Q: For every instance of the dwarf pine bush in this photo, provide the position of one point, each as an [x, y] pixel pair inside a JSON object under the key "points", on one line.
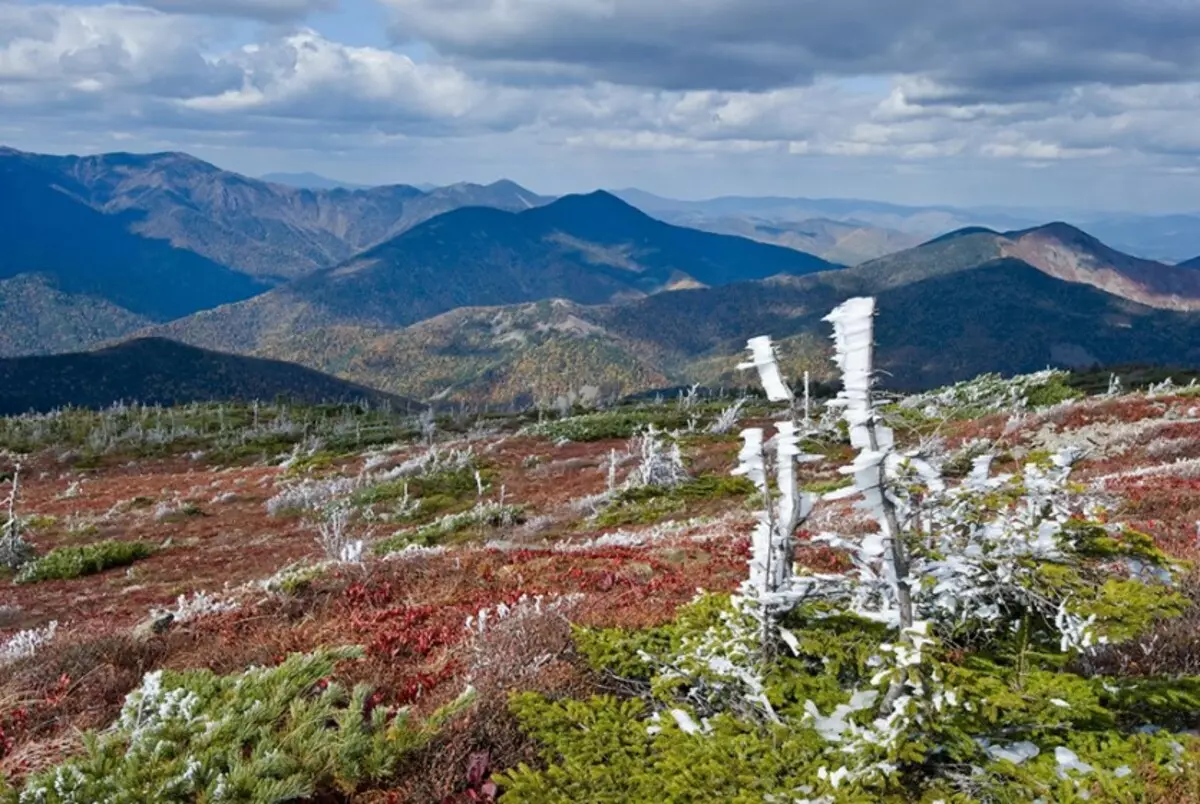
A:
{"points": [[266, 735], [65, 563], [940, 668]]}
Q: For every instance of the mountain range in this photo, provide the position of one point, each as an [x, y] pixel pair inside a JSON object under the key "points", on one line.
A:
{"points": [[494, 293], [870, 229], [591, 249], [156, 371], [969, 301]]}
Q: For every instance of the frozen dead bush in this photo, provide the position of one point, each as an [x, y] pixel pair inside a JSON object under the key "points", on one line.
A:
{"points": [[24, 644], [488, 513], [990, 393], [334, 538], [310, 495], [513, 643], [199, 604], [434, 460], [658, 464], [728, 418], [15, 552]]}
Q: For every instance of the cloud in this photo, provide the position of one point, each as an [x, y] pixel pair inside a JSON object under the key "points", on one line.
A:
{"points": [[703, 91], [971, 50], [266, 10], [305, 76], [58, 52]]}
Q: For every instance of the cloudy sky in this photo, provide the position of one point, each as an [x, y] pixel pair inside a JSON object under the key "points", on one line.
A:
{"points": [[1034, 103]]}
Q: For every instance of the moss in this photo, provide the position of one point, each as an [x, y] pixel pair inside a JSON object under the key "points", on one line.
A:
{"points": [[66, 563]]}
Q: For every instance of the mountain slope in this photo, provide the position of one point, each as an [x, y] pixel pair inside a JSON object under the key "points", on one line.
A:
{"points": [[1058, 250], [1192, 263], [158, 371], [310, 181], [591, 249], [38, 318], [256, 227], [1001, 315], [1063, 251], [45, 230]]}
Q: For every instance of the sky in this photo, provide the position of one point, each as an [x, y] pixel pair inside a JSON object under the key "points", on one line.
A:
{"points": [[1075, 104]]}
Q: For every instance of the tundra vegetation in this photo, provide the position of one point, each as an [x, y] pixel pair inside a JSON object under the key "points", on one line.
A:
{"points": [[977, 594]]}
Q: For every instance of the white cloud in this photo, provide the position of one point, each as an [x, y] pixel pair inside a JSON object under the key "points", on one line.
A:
{"points": [[268, 10], [769, 98]]}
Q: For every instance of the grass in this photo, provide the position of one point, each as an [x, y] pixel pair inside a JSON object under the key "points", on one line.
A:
{"points": [[66, 563]]}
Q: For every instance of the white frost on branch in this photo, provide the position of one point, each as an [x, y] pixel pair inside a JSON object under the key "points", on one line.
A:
{"points": [[762, 358]]}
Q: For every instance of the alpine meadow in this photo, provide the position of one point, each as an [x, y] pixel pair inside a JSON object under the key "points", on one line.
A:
{"points": [[823, 427]]}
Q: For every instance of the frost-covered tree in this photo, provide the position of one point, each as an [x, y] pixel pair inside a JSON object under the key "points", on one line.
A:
{"points": [[942, 666]]}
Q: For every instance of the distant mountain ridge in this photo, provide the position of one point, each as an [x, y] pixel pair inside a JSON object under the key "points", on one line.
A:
{"points": [[592, 249], [1167, 237], [77, 251], [951, 308], [156, 371], [266, 230]]}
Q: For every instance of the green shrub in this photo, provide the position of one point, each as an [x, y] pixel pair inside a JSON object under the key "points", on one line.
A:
{"points": [[825, 486], [610, 424], [65, 563], [266, 735], [484, 515], [608, 749], [439, 493], [1053, 392], [645, 505]]}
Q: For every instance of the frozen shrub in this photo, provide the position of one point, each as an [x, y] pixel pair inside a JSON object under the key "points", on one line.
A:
{"points": [[990, 393], [15, 551], [199, 604], [334, 538], [309, 495], [728, 418], [24, 644], [489, 514], [658, 464]]}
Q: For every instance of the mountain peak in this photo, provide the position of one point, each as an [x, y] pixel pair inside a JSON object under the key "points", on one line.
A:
{"points": [[966, 231], [1059, 230], [597, 202]]}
